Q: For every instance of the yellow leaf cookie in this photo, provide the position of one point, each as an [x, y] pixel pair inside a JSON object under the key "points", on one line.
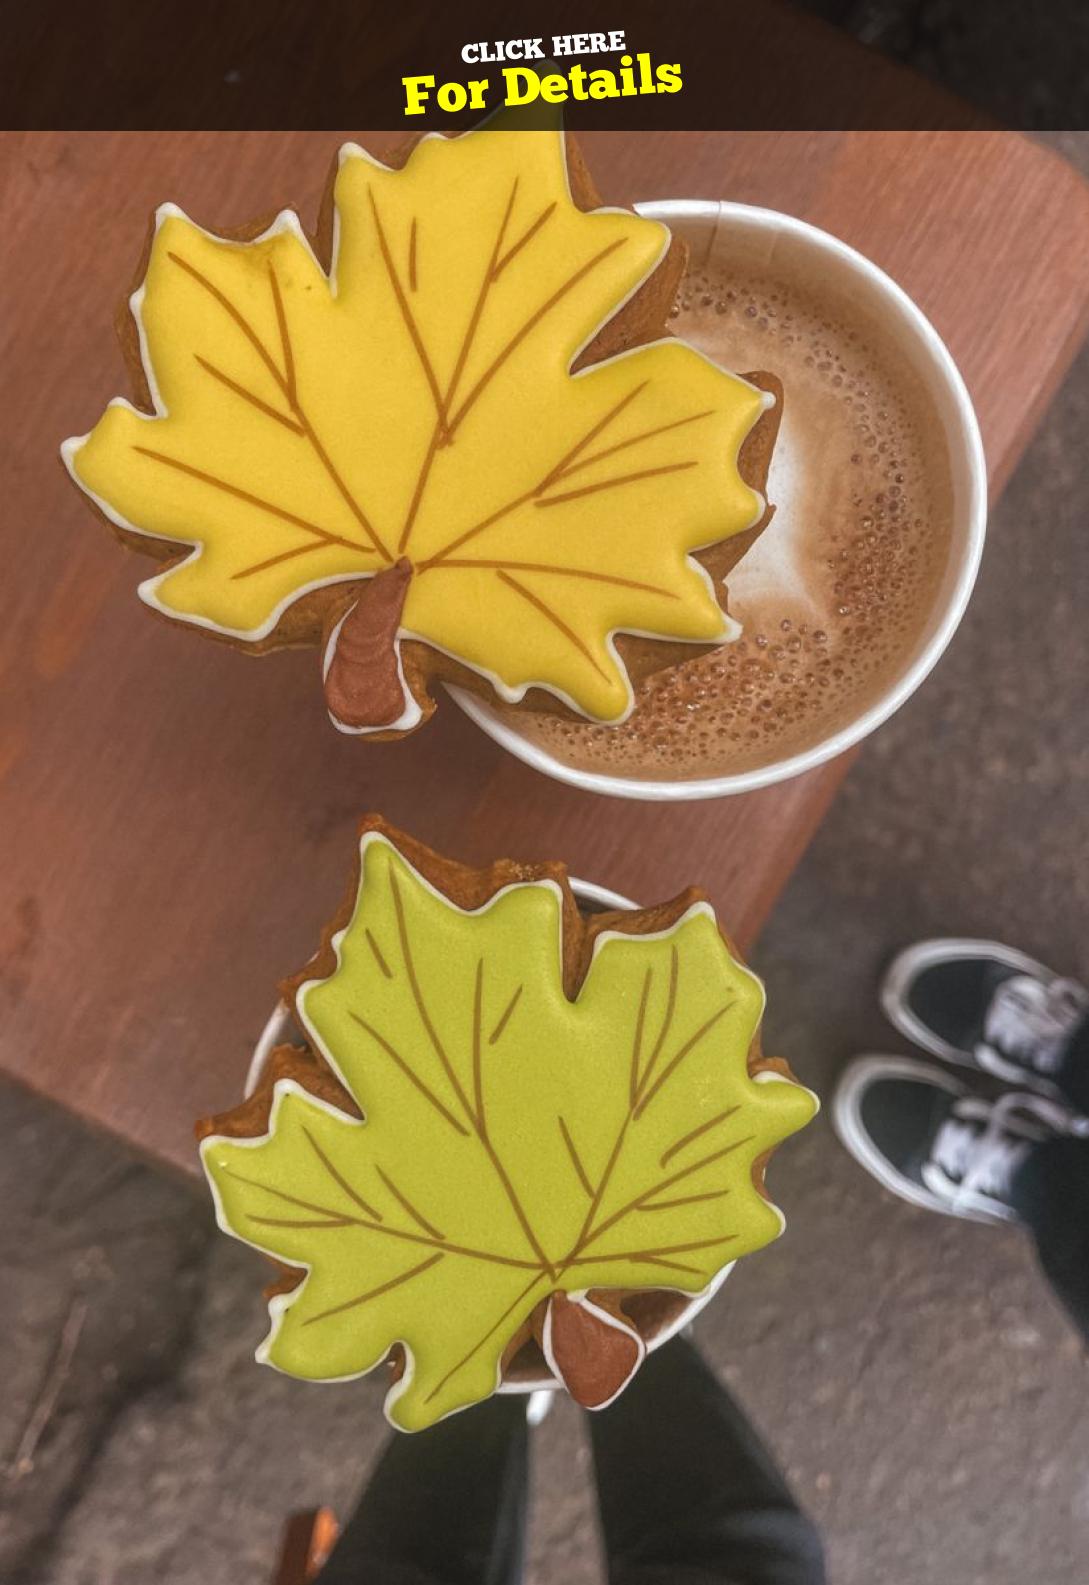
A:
{"points": [[535, 1113], [395, 451]]}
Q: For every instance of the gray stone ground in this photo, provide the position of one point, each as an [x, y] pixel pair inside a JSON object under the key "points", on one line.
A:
{"points": [[914, 1375]]}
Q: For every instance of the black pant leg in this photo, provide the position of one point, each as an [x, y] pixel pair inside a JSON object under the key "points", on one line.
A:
{"points": [[1075, 1070], [446, 1506], [1052, 1193], [688, 1493]]}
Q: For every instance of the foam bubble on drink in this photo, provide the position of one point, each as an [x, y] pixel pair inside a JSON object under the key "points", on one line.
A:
{"points": [[835, 596]]}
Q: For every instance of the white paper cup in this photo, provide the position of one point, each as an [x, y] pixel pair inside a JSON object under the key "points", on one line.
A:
{"points": [[824, 259], [672, 1309]]}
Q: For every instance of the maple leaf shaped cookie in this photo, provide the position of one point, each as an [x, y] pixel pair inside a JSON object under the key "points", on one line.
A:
{"points": [[392, 456], [515, 1119]]}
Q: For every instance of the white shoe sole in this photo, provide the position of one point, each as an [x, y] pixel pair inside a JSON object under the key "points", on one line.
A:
{"points": [[846, 1114], [907, 965]]}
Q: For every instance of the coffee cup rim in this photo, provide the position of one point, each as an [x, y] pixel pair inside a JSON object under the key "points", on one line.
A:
{"points": [[961, 428]]}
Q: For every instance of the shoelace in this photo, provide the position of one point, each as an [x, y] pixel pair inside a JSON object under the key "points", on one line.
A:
{"points": [[1031, 1021], [981, 1144]]}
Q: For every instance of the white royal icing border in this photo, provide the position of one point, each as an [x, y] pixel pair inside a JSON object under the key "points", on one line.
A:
{"points": [[288, 221]]}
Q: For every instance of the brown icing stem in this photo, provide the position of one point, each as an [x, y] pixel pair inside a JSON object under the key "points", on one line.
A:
{"points": [[593, 1358], [363, 684]]}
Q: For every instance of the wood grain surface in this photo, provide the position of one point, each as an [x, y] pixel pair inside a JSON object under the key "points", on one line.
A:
{"points": [[177, 819]]}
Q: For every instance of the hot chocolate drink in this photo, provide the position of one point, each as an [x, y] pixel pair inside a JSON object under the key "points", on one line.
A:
{"points": [[836, 596]]}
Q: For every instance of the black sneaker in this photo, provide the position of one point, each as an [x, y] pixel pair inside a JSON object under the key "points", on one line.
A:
{"points": [[928, 1137], [990, 1007]]}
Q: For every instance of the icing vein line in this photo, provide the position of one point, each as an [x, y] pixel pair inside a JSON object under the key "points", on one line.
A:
{"points": [[377, 951], [669, 1265], [250, 396], [476, 1117], [634, 440], [235, 313], [580, 1170], [289, 382], [527, 236], [486, 284], [442, 433], [613, 484], [433, 445], [340, 1180], [412, 1076], [466, 562], [682, 1199], [479, 1344], [556, 620], [408, 316], [690, 1044], [342, 1219], [289, 1199], [527, 326], [296, 550], [687, 1139], [407, 1205], [505, 1016], [484, 1136], [325, 535], [296, 1221], [667, 1021], [637, 1043], [639, 1098], [586, 1233], [286, 382], [647, 1194], [418, 997], [653, 1254], [565, 463], [478, 1082], [373, 1293]]}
